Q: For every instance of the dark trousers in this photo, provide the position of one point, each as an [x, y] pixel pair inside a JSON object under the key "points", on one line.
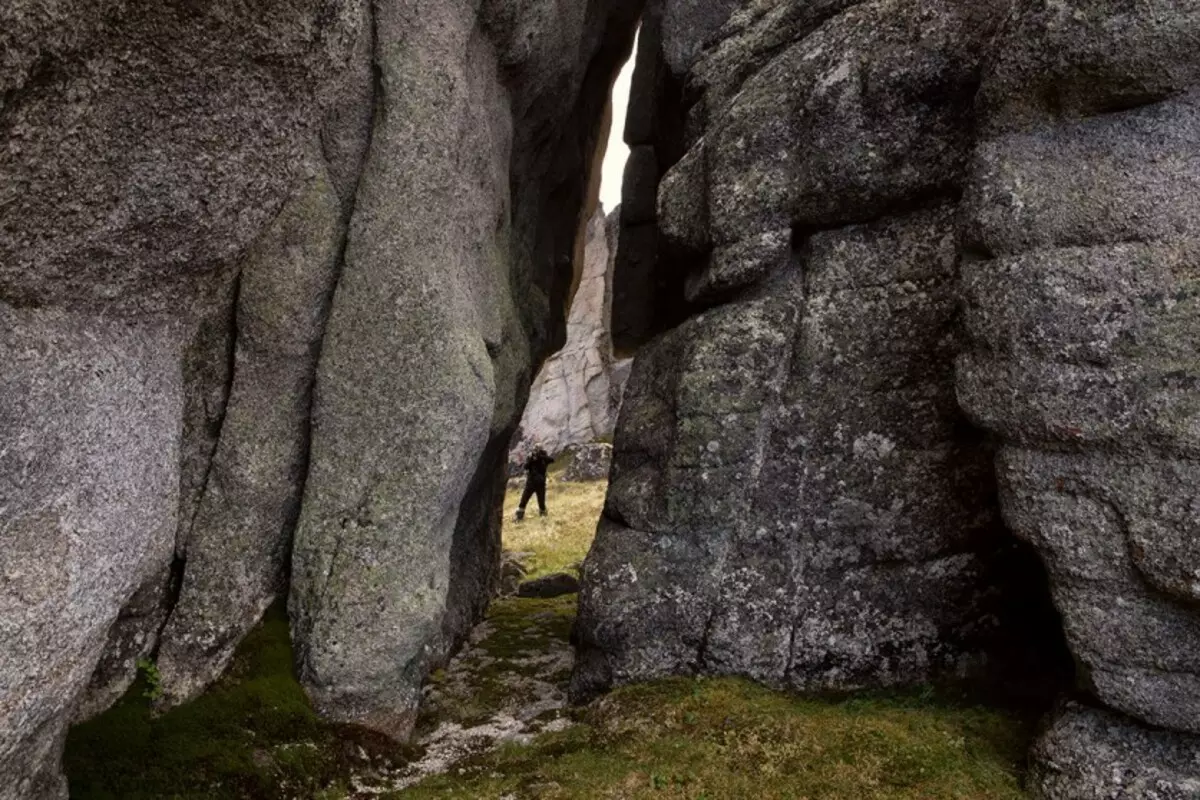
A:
{"points": [[531, 488]]}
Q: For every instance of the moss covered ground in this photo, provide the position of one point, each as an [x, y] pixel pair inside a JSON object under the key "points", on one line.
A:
{"points": [[727, 738], [254, 735]]}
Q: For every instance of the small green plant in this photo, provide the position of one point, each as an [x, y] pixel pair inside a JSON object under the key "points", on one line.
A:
{"points": [[149, 673]]}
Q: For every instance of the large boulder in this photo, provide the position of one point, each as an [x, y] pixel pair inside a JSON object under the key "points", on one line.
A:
{"points": [[1081, 222], [146, 146], [455, 280], [795, 494], [263, 265]]}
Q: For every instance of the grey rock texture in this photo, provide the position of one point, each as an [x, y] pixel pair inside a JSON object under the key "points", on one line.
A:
{"points": [[576, 395], [1091, 754], [240, 538], [455, 277], [145, 147], [795, 494], [1080, 287], [587, 462], [88, 512], [203, 203], [547, 586]]}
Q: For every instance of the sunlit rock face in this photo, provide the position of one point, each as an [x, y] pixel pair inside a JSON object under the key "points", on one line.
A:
{"points": [[577, 392], [272, 280], [900, 271]]}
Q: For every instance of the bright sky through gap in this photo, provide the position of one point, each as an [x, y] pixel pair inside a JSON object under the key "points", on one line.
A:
{"points": [[617, 152]]}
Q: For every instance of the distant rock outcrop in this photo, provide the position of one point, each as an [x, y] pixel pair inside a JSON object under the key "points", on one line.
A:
{"points": [[577, 393]]}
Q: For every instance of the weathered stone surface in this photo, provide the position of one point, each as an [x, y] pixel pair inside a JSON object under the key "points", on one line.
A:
{"points": [[133, 636], [1081, 301], [1090, 754], [241, 537], [548, 586], [89, 410], [144, 147], [489, 116], [795, 496], [184, 187], [587, 462], [574, 399]]}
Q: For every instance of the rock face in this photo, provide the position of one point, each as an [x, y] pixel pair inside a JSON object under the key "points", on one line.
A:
{"points": [[145, 147], [1090, 754], [458, 255], [274, 277], [577, 392], [1081, 292], [795, 496], [588, 462], [267, 265]]}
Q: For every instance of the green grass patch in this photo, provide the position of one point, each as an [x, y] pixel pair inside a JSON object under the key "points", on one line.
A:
{"points": [[253, 735], [562, 539], [486, 678], [727, 738]]}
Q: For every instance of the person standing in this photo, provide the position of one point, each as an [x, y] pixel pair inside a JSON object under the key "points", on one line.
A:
{"points": [[535, 481]]}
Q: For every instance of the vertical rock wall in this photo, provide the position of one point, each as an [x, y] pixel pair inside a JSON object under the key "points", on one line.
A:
{"points": [[844, 221], [260, 266], [1080, 277], [144, 147], [795, 495], [456, 267]]}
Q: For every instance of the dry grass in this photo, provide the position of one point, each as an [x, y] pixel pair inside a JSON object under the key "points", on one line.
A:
{"points": [[560, 540], [727, 739]]}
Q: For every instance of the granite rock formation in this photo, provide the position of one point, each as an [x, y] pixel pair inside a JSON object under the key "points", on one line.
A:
{"points": [[272, 277], [456, 273], [577, 393], [844, 221], [145, 148], [795, 495], [1081, 278], [904, 277], [587, 462]]}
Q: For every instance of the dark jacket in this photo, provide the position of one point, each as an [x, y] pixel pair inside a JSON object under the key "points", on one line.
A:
{"points": [[536, 464]]}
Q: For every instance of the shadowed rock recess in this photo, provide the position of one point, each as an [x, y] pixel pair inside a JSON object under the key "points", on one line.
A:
{"points": [[844, 225], [274, 277], [904, 278]]}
